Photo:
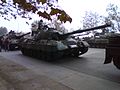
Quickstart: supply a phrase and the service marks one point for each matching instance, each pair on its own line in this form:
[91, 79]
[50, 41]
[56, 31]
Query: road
[90, 63]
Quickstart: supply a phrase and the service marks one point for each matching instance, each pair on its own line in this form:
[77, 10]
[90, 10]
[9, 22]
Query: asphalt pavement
[18, 72]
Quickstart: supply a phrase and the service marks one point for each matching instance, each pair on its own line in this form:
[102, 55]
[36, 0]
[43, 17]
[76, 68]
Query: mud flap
[108, 60]
[108, 55]
[116, 62]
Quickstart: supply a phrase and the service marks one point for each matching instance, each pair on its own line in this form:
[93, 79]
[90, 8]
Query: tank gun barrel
[84, 30]
[18, 37]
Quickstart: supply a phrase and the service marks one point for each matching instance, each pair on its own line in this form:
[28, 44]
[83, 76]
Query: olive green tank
[50, 44]
[14, 40]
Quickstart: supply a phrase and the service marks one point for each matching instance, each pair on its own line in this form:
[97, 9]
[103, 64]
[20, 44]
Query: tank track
[49, 56]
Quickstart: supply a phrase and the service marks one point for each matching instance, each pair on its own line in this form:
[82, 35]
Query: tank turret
[55, 35]
[49, 44]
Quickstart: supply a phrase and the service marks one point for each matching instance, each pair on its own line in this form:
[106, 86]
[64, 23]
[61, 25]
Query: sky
[75, 8]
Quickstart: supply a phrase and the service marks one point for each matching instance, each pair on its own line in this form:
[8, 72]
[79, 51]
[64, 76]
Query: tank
[14, 39]
[98, 42]
[51, 44]
[112, 51]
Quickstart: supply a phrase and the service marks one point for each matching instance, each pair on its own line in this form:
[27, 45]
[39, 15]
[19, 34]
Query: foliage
[54, 24]
[91, 19]
[58, 25]
[3, 31]
[24, 8]
[113, 16]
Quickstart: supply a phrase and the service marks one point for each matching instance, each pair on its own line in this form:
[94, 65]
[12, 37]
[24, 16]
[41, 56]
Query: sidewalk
[17, 77]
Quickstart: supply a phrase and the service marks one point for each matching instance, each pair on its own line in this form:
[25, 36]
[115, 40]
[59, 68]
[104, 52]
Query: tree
[3, 31]
[54, 24]
[24, 8]
[58, 26]
[91, 19]
[113, 16]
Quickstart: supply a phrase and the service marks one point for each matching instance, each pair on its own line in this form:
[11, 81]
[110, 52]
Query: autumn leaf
[42, 1]
[21, 2]
[44, 15]
[64, 17]
[55, 11]
[23, 7]
[27, 23]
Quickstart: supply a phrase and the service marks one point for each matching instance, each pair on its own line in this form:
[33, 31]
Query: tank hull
[50, 52]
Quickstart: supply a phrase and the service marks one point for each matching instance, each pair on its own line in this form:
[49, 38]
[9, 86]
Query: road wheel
[76, 54]
[83, 50]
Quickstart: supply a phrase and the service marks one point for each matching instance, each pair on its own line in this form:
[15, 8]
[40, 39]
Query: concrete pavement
[17, 77]
[48, 77]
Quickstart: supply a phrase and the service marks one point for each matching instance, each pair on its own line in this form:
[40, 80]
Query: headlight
[73, 46]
